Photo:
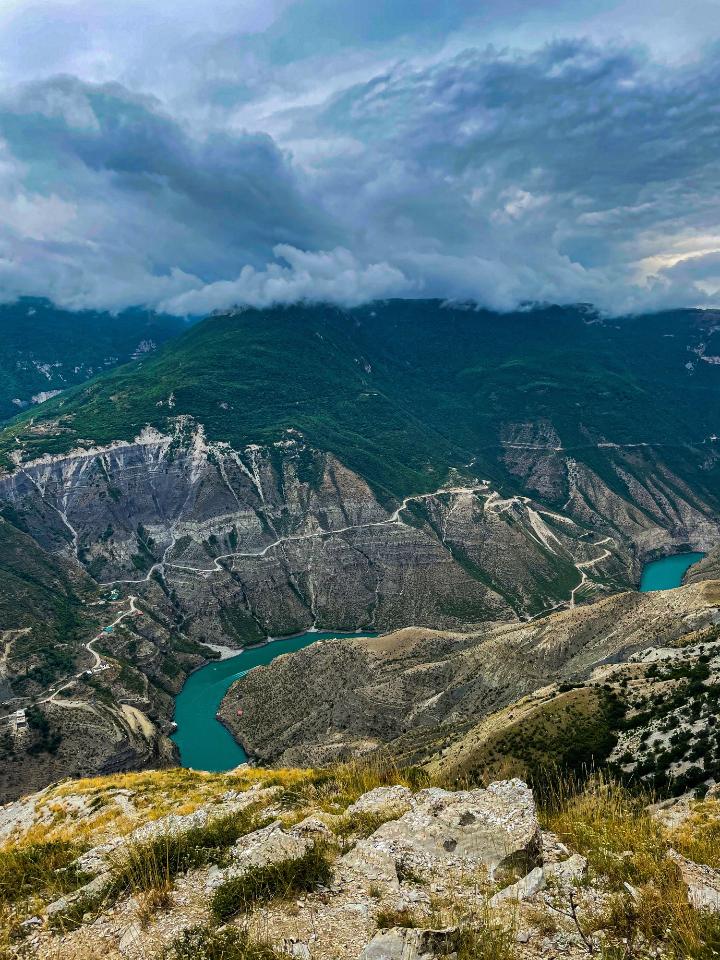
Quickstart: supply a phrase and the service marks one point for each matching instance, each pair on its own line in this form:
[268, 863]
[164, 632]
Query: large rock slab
[382, 800]
[403, 944]
[99, 858]
[494, 828]
[266, 846]
[702, 882]
[369, 866]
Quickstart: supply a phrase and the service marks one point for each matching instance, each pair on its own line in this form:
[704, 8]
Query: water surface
[203, 742]
[667, 573]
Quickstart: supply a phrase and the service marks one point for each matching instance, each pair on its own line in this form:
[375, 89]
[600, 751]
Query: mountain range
[405, 463]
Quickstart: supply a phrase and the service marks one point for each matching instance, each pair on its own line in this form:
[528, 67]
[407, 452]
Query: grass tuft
[698, 838]
[364, 824]
[395, 918]
[491, 940]
[154, 864]
[42, 869]
[276, 880]
[335, 788]
[204, 943]
[627, 851]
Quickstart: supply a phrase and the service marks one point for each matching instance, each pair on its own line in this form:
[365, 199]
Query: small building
[19, 720]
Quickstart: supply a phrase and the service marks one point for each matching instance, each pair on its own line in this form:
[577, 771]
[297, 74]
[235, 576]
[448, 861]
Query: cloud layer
[314, 150]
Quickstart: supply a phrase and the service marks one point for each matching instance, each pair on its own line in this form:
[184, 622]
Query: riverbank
[203, 742]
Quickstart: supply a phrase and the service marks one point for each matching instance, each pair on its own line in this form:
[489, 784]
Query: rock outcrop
[456, 873]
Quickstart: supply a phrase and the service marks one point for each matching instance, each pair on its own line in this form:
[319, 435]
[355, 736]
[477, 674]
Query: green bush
[204, 943]
[281, 879]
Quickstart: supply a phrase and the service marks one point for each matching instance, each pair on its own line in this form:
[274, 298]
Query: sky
[196, 156]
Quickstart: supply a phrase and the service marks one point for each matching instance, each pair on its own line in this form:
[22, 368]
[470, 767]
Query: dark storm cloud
[312, 149]
[117, 178]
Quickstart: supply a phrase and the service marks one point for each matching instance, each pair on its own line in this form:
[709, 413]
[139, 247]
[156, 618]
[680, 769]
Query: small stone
[297, 948]
[567, 872]
[527, 887]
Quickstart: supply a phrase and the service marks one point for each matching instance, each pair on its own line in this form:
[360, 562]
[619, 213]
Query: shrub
[281, 879]
[204, 943]
[155, 863]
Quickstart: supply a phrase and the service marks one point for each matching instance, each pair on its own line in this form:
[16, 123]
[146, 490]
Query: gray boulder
[496, 828]
[382, 800]
[400, 943]
[531, 884]
[367, 865]
[266, 846]
[702, 882]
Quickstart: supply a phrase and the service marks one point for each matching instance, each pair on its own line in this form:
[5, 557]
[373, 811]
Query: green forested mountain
[45, 349]
[405, 463]
[402, 390]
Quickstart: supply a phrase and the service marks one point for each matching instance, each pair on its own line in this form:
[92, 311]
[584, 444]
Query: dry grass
[32, 870]
[154, 864]
[364, 824]
[396, 918]
[152, 902]
[627, 851]
[333, 789]
[490, 940]
[698, 838]
[90, 810]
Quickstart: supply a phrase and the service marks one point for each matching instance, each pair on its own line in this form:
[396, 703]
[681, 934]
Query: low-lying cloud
[287, 153]
[334, 276]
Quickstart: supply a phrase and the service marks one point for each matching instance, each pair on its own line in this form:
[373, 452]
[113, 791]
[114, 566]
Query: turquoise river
[203, 742]
[667, 573]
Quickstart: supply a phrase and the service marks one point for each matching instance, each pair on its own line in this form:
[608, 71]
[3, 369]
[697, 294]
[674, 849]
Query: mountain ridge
[404, 463]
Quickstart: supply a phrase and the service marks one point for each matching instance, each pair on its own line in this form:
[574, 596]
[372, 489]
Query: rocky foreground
[353, 862]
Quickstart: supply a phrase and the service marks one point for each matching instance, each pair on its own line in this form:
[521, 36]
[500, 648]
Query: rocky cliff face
[272, 540]
[230, 546]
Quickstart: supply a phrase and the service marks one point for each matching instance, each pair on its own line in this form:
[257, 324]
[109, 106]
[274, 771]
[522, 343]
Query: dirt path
[89, 646]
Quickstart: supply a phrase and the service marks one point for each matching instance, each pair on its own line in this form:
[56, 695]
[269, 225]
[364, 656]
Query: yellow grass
[627, 850]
